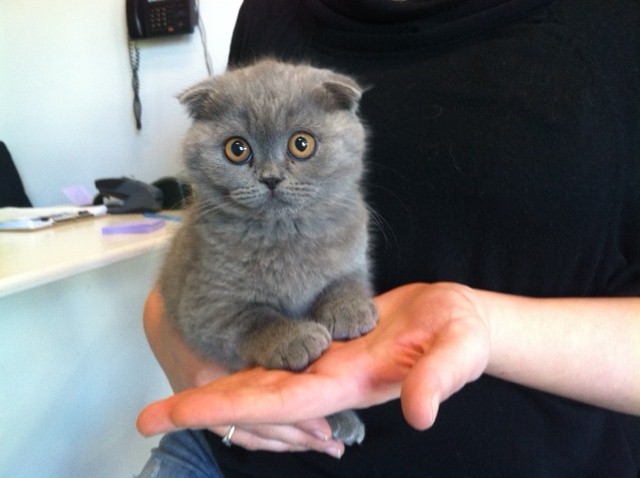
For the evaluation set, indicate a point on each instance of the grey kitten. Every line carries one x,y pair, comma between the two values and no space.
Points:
271,262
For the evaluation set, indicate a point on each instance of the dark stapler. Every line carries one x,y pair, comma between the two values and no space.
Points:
126,195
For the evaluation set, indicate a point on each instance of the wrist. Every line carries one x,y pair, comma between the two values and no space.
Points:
495,309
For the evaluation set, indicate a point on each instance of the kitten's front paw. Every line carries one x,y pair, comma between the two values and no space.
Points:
348,317
295,348
347,427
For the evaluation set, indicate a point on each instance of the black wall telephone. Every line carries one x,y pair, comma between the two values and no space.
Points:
150,18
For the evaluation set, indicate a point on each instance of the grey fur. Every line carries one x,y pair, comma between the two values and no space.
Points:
271,262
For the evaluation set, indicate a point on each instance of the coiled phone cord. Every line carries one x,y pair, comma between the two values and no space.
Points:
134,60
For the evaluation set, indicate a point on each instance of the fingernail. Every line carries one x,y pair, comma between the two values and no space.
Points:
320,435
334,452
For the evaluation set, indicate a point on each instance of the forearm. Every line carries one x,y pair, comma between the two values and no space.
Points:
584,349
183,367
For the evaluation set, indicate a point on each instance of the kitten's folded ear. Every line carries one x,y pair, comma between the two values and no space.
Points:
202,100
341,92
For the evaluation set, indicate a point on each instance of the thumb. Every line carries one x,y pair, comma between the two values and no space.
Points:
441,371
420,394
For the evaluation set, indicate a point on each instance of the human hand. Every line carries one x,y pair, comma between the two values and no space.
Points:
185,369
430,341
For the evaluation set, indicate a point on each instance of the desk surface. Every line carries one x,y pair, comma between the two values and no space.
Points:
30,259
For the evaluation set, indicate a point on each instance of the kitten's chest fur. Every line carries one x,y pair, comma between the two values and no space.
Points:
217,266
284,263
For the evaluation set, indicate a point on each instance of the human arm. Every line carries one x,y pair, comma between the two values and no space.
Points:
584,349
431,340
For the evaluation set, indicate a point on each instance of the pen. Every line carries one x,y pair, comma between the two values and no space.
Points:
65,216
38,222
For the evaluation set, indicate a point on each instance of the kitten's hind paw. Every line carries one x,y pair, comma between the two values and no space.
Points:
347,427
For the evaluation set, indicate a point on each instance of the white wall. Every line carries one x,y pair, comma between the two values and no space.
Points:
75,364
66,97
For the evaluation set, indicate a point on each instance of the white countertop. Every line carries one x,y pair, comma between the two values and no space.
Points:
32,258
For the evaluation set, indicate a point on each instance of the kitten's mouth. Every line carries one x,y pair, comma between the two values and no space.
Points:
278,199
269,203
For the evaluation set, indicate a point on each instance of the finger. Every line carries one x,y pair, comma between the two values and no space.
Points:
248,396
203,407
455,359
318,427
281,438
156,419
421,392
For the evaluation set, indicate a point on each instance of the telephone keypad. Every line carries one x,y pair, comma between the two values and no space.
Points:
169,17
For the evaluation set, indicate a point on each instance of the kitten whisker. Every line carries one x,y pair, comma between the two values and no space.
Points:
382,225
377,220
391,192
203,208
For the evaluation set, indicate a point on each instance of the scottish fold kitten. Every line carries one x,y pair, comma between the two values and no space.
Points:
271,262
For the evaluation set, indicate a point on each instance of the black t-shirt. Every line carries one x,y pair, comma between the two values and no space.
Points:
504,154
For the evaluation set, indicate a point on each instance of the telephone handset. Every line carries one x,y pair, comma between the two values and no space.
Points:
150,18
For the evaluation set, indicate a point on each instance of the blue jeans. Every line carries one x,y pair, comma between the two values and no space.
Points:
181,454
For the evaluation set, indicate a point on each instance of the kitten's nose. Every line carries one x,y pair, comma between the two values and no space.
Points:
271,182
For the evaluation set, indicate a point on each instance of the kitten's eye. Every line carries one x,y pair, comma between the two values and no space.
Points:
237,150
302,145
